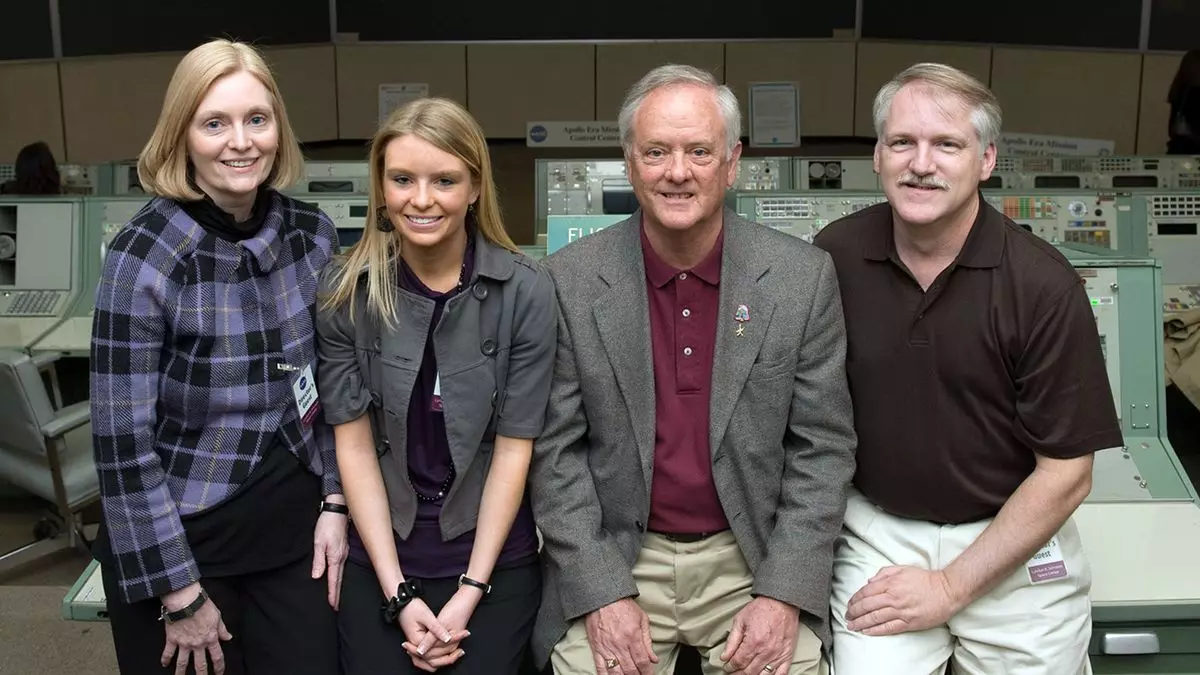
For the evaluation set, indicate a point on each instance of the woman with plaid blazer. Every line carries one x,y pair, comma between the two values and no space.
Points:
224,528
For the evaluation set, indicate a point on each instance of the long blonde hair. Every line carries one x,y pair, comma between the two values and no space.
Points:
163,163
449,127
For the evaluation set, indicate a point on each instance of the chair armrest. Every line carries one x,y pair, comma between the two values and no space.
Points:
67,419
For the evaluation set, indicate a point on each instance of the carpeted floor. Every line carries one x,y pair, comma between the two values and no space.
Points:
38,641
35,639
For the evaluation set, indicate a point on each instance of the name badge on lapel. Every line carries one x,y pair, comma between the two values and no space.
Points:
304,390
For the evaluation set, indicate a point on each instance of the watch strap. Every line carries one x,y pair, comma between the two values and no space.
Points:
464,580
185,612
332,507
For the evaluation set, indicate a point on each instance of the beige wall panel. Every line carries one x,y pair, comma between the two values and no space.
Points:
30,109
1158,70
308,84
111,104
824,70
362,68
509,85
1069,93
618,66
879,62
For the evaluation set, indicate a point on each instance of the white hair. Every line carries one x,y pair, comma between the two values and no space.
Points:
985,109
673,75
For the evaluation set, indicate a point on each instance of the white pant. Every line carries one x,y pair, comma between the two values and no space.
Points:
1019,628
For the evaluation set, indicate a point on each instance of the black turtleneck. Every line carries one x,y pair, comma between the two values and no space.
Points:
220,223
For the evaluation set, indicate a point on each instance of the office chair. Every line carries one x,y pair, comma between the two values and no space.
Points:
35,457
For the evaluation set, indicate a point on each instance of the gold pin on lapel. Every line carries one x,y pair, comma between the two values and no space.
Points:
741,316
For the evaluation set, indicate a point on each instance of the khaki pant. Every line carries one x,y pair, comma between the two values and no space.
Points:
1020,628
690,592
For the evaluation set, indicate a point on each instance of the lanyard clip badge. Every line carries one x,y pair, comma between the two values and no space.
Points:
304,389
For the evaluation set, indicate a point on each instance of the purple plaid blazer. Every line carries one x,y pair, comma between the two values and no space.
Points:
187,387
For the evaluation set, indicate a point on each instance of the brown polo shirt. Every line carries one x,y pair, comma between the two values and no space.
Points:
683,330
956,388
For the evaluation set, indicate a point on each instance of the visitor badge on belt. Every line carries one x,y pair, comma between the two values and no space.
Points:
305,391
1047,564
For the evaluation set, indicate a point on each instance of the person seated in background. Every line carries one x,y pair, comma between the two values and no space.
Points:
224,527
1183,129
436,339
35,172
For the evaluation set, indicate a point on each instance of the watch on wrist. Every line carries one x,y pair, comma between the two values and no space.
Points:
333,507
186,612
464,580
406,592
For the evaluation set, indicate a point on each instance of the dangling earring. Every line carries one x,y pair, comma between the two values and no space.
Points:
382,221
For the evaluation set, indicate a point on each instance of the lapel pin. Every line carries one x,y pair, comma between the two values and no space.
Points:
742,315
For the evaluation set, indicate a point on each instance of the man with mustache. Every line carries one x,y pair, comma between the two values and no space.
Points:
980,396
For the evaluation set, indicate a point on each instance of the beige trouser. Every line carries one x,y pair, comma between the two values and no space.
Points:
1020,628
690,592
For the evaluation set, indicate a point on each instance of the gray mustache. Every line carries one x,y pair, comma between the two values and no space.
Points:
913,180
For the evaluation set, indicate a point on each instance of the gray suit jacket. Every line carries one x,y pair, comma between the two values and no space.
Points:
782,428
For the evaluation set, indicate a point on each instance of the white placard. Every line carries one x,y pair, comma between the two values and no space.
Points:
589,133
774,115
392,96
1039,145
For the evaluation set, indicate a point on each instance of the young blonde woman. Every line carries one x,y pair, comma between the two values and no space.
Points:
436,344
224,527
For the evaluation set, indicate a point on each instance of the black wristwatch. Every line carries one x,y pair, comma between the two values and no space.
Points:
464,580
406,592
186,612
333,507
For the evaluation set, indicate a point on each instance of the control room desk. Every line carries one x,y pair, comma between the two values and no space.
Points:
21,333
1145,559
73,337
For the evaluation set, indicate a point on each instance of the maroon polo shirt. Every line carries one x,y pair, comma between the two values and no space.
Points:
683,332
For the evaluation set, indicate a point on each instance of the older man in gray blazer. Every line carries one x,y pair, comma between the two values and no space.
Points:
693,472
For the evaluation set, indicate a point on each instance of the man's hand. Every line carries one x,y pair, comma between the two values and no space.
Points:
763,634
901,599
620,635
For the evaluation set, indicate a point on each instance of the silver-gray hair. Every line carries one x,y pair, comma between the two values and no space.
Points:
673,74
985,109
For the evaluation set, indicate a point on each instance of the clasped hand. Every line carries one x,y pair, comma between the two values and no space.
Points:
436,641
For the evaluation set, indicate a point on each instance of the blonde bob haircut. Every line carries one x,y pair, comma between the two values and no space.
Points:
163,165
447,126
